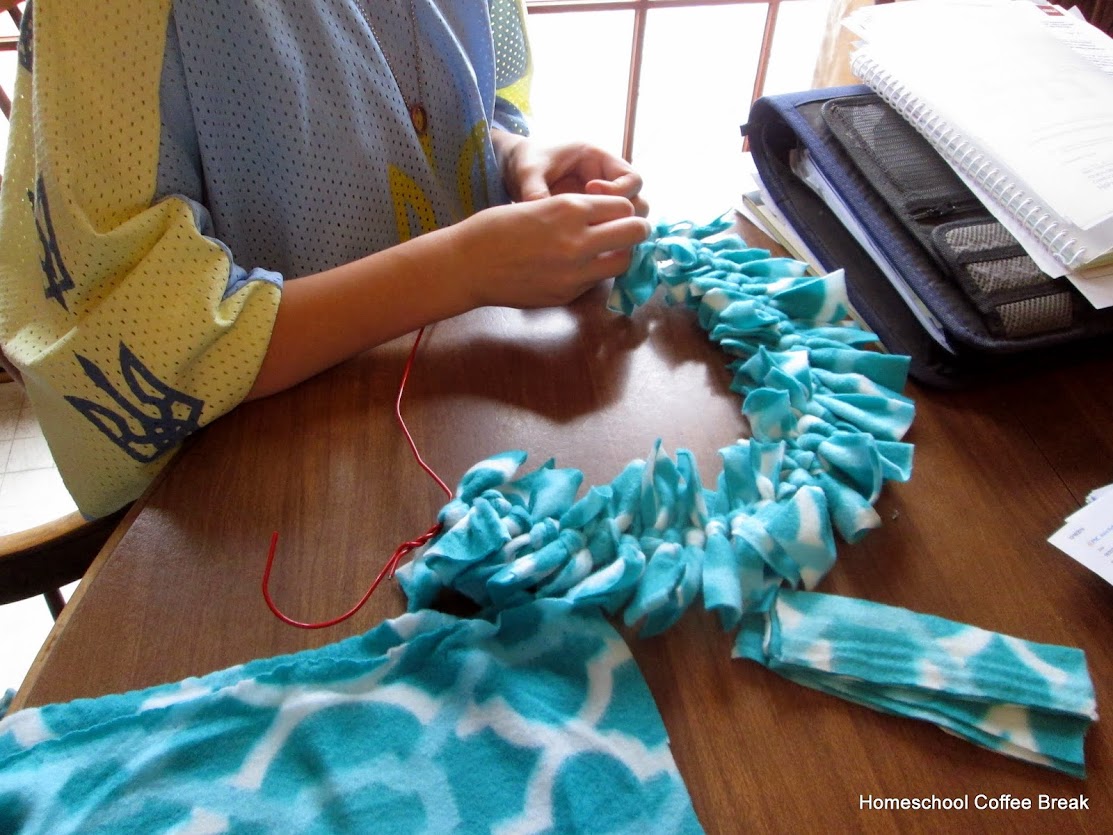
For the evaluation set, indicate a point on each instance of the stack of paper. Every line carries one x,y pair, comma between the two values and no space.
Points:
1018,98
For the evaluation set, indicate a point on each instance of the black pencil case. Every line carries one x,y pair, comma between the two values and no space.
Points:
928,268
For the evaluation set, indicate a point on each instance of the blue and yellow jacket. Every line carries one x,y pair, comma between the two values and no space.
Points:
172,162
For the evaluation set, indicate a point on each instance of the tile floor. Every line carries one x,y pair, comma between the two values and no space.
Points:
30,490
30,493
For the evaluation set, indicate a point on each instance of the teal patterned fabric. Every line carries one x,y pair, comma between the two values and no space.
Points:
533,717
1031,701
827,418
539,722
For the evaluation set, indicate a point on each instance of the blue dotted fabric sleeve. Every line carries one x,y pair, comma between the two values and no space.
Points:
827,417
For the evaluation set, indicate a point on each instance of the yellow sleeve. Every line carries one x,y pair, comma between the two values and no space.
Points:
113,309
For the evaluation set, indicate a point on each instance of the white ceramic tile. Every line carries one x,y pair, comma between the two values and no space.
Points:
9,522
28,426
27,498
9,420
31,498
29,454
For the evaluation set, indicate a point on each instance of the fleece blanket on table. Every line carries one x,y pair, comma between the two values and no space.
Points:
539,722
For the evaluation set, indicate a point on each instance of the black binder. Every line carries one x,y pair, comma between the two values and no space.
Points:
928,269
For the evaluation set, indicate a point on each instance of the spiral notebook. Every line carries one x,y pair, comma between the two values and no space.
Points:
1018,98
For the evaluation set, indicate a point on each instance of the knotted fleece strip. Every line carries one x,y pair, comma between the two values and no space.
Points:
827,418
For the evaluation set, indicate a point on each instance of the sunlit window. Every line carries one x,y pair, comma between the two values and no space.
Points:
581,63
9,35
668,83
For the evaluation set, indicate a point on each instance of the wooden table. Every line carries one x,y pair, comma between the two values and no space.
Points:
996,471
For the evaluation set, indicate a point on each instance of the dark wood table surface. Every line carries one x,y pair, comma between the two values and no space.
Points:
997,469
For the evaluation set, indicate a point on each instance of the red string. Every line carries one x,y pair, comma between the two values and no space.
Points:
401,551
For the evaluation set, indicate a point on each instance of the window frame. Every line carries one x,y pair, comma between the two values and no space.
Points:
641,9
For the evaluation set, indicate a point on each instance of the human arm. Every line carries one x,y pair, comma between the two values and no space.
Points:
536,254
578,215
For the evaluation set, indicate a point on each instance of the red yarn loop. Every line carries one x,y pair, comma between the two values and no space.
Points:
401,551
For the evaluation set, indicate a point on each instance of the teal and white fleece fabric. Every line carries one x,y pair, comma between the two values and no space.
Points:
827,418
534,718
1030,701
539,722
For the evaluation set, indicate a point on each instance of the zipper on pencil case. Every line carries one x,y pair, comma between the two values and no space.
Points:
938,210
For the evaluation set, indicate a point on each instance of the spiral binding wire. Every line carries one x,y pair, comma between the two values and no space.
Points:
967,158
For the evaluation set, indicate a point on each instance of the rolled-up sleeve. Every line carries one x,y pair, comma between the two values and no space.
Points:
132,326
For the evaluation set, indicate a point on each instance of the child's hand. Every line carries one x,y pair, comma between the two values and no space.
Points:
546,252
531,173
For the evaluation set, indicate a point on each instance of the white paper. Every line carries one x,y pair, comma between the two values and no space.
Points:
1087,535
1087,40
1036,92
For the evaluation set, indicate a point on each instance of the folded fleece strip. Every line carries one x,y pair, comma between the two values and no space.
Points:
827,418
1030,701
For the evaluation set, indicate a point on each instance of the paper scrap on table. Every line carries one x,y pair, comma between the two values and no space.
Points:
1087,535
